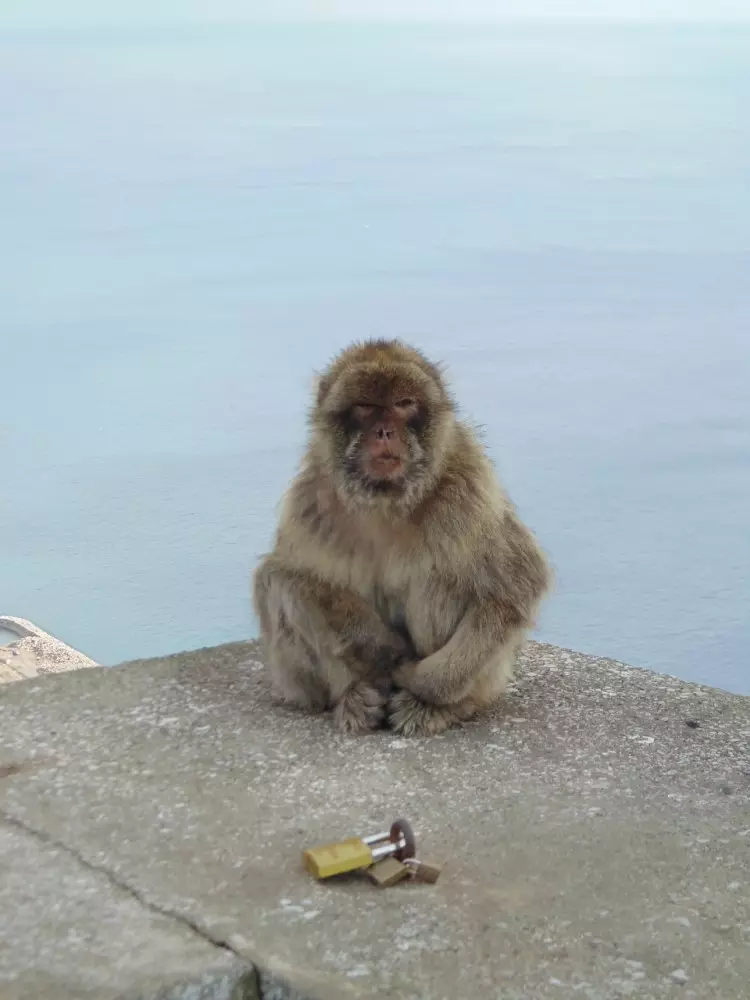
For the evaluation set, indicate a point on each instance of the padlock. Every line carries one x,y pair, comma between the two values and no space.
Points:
387,872
361,852
423,871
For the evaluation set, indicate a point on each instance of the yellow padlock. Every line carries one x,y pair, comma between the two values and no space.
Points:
360,852
335,859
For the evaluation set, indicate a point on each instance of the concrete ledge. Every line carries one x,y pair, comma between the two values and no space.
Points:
597,834
36,652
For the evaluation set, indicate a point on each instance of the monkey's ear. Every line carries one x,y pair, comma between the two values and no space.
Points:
321,385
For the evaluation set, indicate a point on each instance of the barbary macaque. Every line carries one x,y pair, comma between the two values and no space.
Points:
402,582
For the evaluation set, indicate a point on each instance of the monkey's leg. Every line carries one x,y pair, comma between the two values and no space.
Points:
299,678
322,650
295,672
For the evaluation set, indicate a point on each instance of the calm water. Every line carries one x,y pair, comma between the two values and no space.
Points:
7,637
193,220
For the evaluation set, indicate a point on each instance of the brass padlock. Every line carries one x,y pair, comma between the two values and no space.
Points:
387,872
361,852
423,871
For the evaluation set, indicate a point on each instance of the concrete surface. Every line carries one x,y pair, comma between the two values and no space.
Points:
36,652
596,832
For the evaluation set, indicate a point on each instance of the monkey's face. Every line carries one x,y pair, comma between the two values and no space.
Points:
381,422
383,444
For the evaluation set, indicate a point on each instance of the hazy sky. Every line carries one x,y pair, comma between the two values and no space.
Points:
74,13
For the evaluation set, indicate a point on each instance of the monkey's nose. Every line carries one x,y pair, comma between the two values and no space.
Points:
384,433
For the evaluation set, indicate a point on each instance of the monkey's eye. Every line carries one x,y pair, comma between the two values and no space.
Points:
362,410
406,404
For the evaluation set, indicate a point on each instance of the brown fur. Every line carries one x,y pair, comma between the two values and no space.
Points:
401,599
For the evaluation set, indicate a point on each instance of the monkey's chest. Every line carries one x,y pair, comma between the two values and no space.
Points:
427,610
410,588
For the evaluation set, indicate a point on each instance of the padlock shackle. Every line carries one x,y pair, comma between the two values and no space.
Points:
399,843
403,835
386,850
376,838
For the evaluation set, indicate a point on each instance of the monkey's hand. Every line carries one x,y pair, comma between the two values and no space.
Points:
411,716
427,699
418,679
448,675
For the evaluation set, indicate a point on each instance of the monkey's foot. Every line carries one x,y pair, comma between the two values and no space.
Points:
361,709
412,717
298,692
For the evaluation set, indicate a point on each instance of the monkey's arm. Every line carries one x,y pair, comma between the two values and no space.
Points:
501,596
333,619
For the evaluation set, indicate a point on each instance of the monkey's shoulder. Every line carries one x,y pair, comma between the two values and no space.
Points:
468,490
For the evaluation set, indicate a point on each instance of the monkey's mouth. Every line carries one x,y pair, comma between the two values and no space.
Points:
383,475
373,474
386,468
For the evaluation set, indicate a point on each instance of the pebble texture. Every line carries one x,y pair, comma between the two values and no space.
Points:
596,829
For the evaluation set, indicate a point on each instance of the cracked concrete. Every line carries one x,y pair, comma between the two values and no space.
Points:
70,933
44,839
596,830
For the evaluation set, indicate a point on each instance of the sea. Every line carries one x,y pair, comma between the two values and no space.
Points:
195,217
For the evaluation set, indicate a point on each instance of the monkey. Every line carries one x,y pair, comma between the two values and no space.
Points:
402,581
